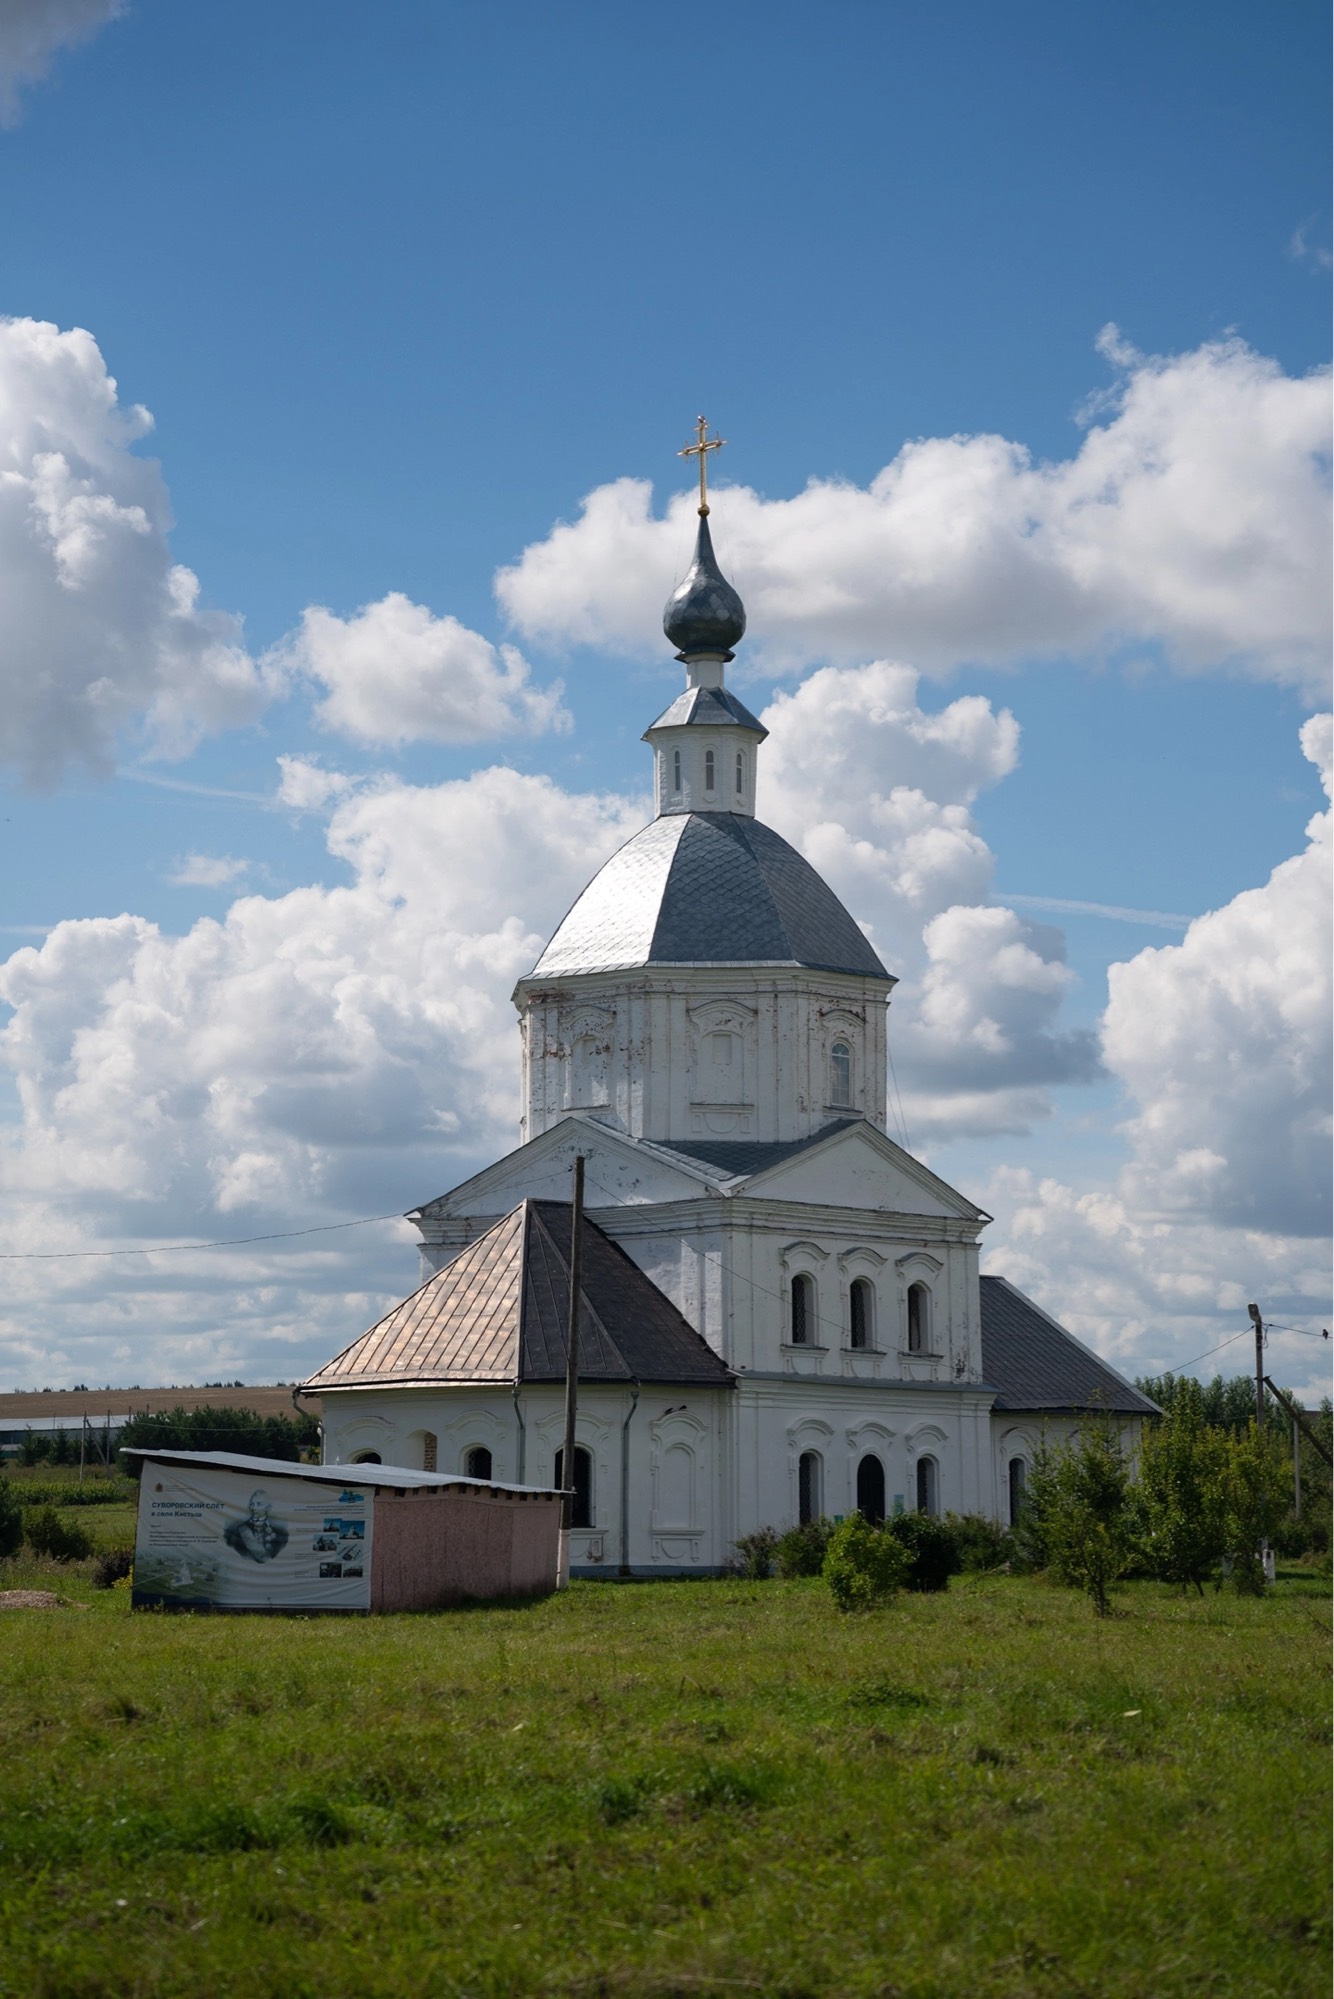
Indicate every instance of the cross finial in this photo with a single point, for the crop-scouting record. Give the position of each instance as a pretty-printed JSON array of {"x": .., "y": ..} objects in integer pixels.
[{"x": 700, "y": 449}]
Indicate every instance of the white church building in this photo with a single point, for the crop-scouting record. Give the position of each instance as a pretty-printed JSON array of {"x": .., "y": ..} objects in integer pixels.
[{"x": 781, "y": 1309}]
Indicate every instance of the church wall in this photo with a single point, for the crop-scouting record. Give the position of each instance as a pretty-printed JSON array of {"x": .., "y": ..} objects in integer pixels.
[
  {"x": 630, "y": 1049},
  {"x": 680, "y": 1509}
]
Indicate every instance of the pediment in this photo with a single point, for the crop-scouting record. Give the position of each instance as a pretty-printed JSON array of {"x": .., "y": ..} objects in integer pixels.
[
  {"x": 858, "y": 1167},
  {"x": 619, "y": 1172}
]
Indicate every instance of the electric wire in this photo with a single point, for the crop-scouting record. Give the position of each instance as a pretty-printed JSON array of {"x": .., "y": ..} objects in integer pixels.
[{"x": 175, "y": 1248}]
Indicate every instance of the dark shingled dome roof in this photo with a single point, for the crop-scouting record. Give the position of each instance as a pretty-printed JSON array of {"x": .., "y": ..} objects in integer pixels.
[{"x": 707, "y": 888}]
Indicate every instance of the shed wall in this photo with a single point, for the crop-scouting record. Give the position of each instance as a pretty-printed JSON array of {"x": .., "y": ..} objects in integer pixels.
[{"x": 432, "y": 1548}]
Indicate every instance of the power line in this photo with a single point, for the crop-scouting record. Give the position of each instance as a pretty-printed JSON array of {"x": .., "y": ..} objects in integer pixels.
[{"x": 175, "y": 1248}]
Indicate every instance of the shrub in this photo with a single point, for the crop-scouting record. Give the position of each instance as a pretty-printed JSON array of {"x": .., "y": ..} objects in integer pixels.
[
  {"x": 46, "y": 1534},
  {"x": 863, "y": 1565},
  {"x": 11, "y": 1519},
  {"x": 112, "y": 1566},
  {"x": 930, "y": 1547},
  {"x": 982, "y": 1542},
  {"x": 756, "y": 1552},
  {"x": 801, "y": 1551}
]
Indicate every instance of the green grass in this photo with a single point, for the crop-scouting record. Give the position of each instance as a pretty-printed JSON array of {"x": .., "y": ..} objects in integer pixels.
[{"x": 670, "y": 1789}]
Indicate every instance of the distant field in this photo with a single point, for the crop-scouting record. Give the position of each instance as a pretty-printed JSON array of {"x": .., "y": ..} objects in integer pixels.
[{"x": 670, "y": 1789}]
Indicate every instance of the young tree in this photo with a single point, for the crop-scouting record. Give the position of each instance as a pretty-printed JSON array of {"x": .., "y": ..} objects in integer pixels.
[
  {"x": 1182, "y": 1491},
  {"x": 1257, "y": 1498},
  {"x": 1083, "y": 1511}
]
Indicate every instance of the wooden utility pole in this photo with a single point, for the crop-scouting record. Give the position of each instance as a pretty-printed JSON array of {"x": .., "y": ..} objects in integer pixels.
[
  {"x": 1259, "y": 1325},
  {"x": 572, "y": 1344}
]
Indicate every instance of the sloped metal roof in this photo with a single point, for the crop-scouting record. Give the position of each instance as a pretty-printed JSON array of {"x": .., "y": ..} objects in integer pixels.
[
  {"x": 498, "y": 1313},
  {"x": 397, "y": 1478},
  {"x": 737, "y": 1156},
  {"x": 1033, "y": 1363},
  {"x": 697, "y": 705},
  {"x": 707, "y": 888}
]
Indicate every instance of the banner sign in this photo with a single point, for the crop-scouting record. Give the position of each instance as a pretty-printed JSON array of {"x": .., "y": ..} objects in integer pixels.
[{"x": 246, "y": 1541}]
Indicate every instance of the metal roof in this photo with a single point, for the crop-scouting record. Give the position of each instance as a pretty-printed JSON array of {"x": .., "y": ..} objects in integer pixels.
[
  {"x": 707, "y": 888},
  {"x": 400, "y": 1477},
  {"x": 736, "y": 1157},
  {"x": 1034, "y": 1363},
  {"x": 714, "y": 705},
  {"x": 497, "y": 1313}
]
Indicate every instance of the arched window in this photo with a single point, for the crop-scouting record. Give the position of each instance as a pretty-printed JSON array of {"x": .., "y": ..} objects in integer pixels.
[
  {"x": 1018, "y": 1480},
  {"x": 928, "y": 1486},
  {"x": 477, "y": 1463},
  {"x": 871, "y": 1490},
  {"x": 708, "y": 770},
  {"x": 860, "y": 1312},
  {"x": 366, "y": 1458},
  {"x": 676, "y": 770},
  {"x": 429, "y": 1449},
  {"x": 919, "y": 1318},
  {"x": 803, "y": 1311},
  {"x": 808, "y": 1487},
  {"x": 840, "y": 1074},
  {"x": 583, "y": 1485},
  {"x": 740, "y": 773}
]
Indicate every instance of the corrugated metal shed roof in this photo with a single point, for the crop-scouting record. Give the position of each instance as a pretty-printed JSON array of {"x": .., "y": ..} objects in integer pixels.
[
  {"x": 707, "y": 888},
  {"x": 400, "y": 1477},
  {"x": 498, "y": 1312},
  {"x": 1033, "y": 1363}
]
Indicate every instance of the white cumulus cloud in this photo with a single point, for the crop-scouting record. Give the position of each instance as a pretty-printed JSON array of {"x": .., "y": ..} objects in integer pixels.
[
  {"x": 1194, "y": 517},
  {"x": 1222, "y": 1043},
  {"x": 394, "y": 673},
  {"x": 32, "y": 32},
  {"x": 208, "y": 871},
  {"x": 877, "y": 793},
  {"x": 103, "y": 631}
]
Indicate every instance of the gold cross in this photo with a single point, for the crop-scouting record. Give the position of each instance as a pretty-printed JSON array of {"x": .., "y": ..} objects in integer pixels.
[{"x": 700, "y": 449}]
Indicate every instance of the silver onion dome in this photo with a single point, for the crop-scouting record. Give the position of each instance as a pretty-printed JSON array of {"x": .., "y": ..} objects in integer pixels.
[{"x": 704, "y": 614}]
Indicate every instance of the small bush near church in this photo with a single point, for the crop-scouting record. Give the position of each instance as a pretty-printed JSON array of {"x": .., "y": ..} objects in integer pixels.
[
  {"x": 756, "y": 1553},
  {"x": 864, "y": 1565},
  {"x": 930, "y": 1547},
  {"x": 46, "y": 1534},
  {"x": 801, "y": 1551},
  {"x": 982, "y": 1543}
]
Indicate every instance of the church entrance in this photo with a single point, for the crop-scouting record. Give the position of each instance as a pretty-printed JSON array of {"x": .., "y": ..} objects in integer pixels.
[{"x": 871, "y": 1490}]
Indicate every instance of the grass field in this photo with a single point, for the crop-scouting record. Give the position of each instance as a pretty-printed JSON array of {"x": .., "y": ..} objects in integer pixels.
[{"x": 689, "y": 1789}]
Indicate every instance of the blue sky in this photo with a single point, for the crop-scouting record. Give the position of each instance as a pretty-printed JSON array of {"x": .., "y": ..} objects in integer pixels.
[{"x": 401, "y": 287}]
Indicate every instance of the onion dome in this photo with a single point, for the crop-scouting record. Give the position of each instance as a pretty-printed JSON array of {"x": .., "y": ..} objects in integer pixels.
[{"x": 704, "y": 614}]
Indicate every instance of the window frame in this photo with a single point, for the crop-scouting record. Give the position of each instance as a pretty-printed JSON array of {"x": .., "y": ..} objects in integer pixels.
[
  {"x": 926, "y": 1480},
  {"x": 802, "y": 1287},
  {"x": 841, "y": 1085},
  {"x": 810, "y": 1487},
  {"x": 473, "y": 1451},
  {"x": 861, "y": 1292},
  {"x": 917, "y": 1338}
]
